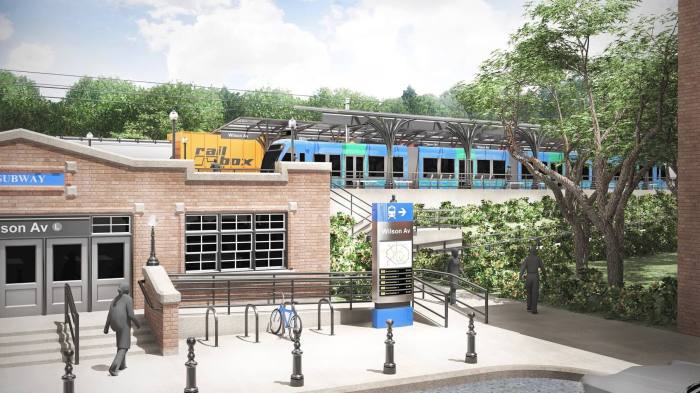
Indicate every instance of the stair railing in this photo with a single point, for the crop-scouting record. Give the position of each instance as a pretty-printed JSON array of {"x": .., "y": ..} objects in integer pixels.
[{"x": 72, "y": 319}]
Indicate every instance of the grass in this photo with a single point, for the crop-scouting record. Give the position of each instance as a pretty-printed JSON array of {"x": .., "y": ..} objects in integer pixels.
[{"x": 645, "y": 270}]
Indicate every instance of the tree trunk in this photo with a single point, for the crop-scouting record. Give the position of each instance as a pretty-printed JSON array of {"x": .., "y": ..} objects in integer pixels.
[
  {"x": 581, "y": 246},
  {"x": 614, "y": 254}
]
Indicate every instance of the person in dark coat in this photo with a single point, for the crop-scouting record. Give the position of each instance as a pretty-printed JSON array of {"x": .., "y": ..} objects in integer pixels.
[
  {"x": 454, "y": 266},
  {"x": 119, "y": 318},
  {"x": 530, "y": 273},
  {"x": 215, "y": 167}
]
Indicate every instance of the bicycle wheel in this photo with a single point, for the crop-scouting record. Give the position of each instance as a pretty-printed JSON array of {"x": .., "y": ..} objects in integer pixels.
[
  {"x": 275, "y": 321},
  {"x": 294, "y": 326}
]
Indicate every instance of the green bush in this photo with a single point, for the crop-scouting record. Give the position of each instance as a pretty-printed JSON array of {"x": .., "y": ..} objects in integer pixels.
[{"x": 348, "y": 253}]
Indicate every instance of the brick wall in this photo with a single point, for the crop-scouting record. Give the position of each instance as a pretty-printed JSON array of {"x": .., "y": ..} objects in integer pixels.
[
  {"x": 105, "y": 187},
  {"x": 689, "y": 167}
]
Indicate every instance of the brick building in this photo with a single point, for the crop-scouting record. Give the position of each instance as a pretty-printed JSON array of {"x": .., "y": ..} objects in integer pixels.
[
  {"x": 78, "y": 215},
  {"x": 689, "y": 166}
]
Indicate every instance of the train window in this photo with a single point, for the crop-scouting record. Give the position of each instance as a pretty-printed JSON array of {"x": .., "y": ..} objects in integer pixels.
[
  {"x": 447, "y": 165},
  {"x": 287, "y": 157},
  {"x": 302, "y": 157},
  {"x": 557, "y": 167},
  {"x": 483, "y": 166},
  {"x": 335, "y": 164},
  {"x": 463, "y": 168},
  {"x": 586, "y": 173},
  {"x": 398, "y": 166},
  {"x": 650, "y": 173},
  {"x": 662, "y": 171},
  {"x": 430, "y": 167},
  {"x": 499, "y": 167},
  {"x": 525, "y": 172},
  {"x": 319, "y": 158},
  {"x": 376, "y": 166}
]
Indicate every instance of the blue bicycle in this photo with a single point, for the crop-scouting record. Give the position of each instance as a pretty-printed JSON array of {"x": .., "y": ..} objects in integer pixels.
[{"x": 287, "y": 318}]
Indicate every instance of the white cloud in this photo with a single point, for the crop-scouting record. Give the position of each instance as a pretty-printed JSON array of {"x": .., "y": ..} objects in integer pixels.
[
  {"x": 6, "y": 28},
  {"x": 34, "y": 57},
  {"x": 376, "y": 48}
]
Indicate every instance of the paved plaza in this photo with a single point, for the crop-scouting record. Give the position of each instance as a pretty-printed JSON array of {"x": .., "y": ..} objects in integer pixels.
[{"x": 352, "y": 360}]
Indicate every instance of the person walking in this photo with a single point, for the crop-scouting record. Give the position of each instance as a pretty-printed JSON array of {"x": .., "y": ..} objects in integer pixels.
[
  {"x": 454, "y": 266},
  {"x": 530, "y": 273},
  {"x": 119, "y": 318}
]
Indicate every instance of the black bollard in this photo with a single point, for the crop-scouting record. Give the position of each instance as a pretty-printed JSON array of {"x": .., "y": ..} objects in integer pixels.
[
  {"x": 68, "y": 378},
  {"x": 297, "y": 378},
  {"x": 389, "y": 365},
  {"x": 471, "y": 341},
  {"x": 191, "y": 368}
]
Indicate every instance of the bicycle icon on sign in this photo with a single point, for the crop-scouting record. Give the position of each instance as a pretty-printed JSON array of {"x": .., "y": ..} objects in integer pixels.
[{"x": 287, "y": 318}]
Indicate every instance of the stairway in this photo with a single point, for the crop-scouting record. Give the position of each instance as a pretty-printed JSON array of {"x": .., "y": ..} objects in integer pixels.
[
  {"x": 358, "y": 209},
  {"x": 44, "y": 345}
]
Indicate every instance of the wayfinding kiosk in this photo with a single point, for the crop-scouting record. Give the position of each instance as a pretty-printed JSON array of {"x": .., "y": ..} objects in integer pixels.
[{"x": 392, "y": 263}]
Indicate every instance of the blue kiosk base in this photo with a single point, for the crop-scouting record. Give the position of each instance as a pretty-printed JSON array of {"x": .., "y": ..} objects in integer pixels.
[{"x": 402, "y": 315}]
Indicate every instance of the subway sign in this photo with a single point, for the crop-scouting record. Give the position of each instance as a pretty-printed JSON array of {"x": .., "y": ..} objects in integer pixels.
[
  {"x": 22, "y": 228},
  {"x": 32, "y": 179}
]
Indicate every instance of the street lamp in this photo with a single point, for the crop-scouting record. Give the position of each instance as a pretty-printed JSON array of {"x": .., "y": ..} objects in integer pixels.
[
  {"x": 293, "y": 126},
  {"x": 184, "y": 146},
  {"x": 152, "y": 260},
  {"x": 173, "y": 119},
  {"x": 89, "y": 137}
]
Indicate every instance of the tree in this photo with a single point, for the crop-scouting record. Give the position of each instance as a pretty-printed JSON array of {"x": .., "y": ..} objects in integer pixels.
[
  {"x": 21, "y": 104},
  {"x": 607, "y": 108}
]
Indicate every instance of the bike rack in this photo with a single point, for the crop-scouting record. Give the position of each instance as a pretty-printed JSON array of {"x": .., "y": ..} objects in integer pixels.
[
  {"x": 257, "y": 330},
  {"x": 216, "y": 326},
  {"x": 320, "y": 302}
]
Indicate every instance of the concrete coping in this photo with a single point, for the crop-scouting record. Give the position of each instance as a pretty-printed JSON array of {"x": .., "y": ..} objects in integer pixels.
[
  {"x": 162, "y": 286},
  {"x": 280, "y": 174}
]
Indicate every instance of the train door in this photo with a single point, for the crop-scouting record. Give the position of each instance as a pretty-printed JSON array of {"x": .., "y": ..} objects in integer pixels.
[{"x": 354, "y": 170}]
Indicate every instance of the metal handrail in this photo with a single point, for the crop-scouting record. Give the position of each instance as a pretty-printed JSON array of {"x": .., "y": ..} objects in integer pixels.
[
  {"x": 216, "y": 326},
  {"x": 326, "y": 300},
  {"x": 462, "y": 282},
  {"x": 257, "y": 325},
  {"x": 74, "y": 320},
  {"x": 145, "y": 295},
  {"x": 439, "y": 295}
]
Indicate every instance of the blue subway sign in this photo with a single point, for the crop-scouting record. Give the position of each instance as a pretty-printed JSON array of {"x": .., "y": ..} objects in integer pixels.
[
  {"x": 392, "y": 212},
  {"x": 31, "y": 179}
]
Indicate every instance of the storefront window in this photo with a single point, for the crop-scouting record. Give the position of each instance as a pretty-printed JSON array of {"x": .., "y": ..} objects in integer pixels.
[{"x": 243, "y": 241}]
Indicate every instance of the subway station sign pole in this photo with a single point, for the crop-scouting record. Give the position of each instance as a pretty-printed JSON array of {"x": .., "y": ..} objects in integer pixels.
[{"x": 392, "y": 263}]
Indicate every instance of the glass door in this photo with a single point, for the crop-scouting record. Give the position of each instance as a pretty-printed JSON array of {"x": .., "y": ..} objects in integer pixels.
[
  {"x": 354, "y": 170},
  {"x": 66, "y": 263},
  {"x": 21, "y": 289},
  {"x": 111, "y": 266}
]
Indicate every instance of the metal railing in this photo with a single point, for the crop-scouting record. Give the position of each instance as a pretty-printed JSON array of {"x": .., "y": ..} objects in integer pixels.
[
  {"x": 359, "y": 209},
  {"x": 216, "y": 326},
  {"x": 438, "y": 294},
  {"x": 72, "y": 319},
  {"x": 257, "y": 322},
  {"x": 146, "y": 298},
  {"x": 444, "y": 278},
  {"x": 330, "y": 306},
  {"x": 201, "y": 290}
]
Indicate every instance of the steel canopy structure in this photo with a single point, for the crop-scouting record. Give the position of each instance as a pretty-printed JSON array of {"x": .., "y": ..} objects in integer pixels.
[
  {"x": 391, "y": 129},
  {"x": 410, "y": 129}
]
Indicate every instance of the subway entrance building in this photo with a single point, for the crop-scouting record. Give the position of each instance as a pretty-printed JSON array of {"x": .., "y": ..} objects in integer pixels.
[{"x": 72, "y": 214}]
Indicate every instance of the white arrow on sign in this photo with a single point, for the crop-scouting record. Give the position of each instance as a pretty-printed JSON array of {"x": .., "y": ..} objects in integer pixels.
[{"x": 402, "y": 212}]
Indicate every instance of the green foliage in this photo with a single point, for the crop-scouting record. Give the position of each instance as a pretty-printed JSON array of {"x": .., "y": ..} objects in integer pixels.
[
  {"x": 348, "y": 253},
  {"x": 500, "y": 235},
  {"x": 21, "y": 105}
]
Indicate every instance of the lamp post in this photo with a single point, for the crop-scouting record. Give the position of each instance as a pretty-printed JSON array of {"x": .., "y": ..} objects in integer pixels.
[
  {"x": 152, "y": 260},
  {"x": 173, "y": 119},
  {"x": 293, "y": 126},
  {"x": 184, "y": 146},
  {"x": 89, "y": 137}
]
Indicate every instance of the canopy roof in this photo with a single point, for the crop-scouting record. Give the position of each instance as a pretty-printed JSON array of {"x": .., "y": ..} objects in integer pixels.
[{"x": 410, "y": 129}]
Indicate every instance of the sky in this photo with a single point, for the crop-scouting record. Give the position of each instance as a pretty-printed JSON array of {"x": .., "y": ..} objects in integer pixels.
[{"x": 377, "y": 47}]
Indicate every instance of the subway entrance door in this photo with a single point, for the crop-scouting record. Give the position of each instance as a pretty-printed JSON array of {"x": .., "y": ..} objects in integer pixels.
[
  {"x": 66, "y": 263},
  {"x": 111, "y": 265},
  {"x": 21, "y": 289}
]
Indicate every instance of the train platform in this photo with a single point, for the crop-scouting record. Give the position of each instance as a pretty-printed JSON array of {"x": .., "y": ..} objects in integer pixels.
[{"x": 515, "y": 343}]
